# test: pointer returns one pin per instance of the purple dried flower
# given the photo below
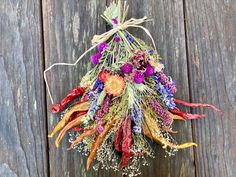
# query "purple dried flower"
(136, 117)
(106, 104)
(127, 68)
(166, 93)
(137, 129)
(95, 58)
(172, 87)
(138, 77)
(130, 38)
(97, 83)
(100, 127)
(90, 94)
(163, 78)
(161, 112)
(167, 81)
(114, 21)
(149, 71)
(102, 46)
(99, 114)
(117, 39)
(150, 51)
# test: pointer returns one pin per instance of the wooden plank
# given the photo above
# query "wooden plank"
(68, 29)
(211, 39)
(168, 32)
(23, 140)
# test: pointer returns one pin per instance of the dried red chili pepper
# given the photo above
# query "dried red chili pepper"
(118, 137)
(186, 115)
(194, 105)
(85, 98)
(126, 143)
(84, 106)
(76, 92)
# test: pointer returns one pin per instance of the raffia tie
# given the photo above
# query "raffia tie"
(97, 39)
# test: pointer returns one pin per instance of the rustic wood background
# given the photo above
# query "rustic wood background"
(196, 37)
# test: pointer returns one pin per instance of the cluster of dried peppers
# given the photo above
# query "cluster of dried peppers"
(125, 98)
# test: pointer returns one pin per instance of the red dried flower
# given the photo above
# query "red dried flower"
(103, 75)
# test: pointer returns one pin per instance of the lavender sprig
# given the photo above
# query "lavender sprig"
(136, 117)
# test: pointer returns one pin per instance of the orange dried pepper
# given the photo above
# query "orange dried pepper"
(98, 143)
(82, 136)
(174, 116)
(83, 106)
(76, 114)
(151, 130)
(70, 125)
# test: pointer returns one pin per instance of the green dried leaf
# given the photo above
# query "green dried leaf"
(101, 97)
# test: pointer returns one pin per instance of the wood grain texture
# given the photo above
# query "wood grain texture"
(196, 38)
(68, 29)
(23, 147)
(211, 39)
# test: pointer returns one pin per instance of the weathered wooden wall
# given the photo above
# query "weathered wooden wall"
(197, 38)
(23, 142)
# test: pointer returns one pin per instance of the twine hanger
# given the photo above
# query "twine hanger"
(97, 39)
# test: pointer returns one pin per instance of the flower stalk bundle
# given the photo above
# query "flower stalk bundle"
(124, 100)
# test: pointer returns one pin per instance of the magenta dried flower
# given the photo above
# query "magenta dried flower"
(149, 71)
(106, 104)
(114, 21)
(117, 39)
(95, 58)
(138, 77)
(102, 46)
(127, 68)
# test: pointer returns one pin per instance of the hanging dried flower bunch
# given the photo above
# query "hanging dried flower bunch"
(125, 100)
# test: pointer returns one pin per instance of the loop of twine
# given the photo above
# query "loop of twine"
(97, 39)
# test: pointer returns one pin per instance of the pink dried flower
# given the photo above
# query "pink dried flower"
(95, 58)
(172, 87)
(100, 127)
(129, 78)
(138, 77)
(139, 58)
(163, 78)
(161, 112)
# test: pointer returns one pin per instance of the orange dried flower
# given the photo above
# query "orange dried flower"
(114, 85)
(103, 75)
